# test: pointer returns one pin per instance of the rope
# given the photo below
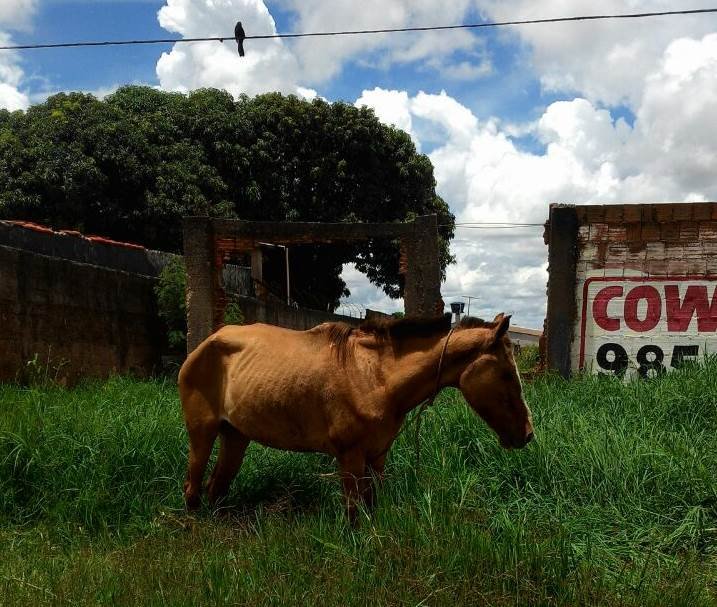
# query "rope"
(429, 401)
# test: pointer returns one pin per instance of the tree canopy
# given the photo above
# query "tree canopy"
(131, 165)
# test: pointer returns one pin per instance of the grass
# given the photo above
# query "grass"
(615, 503)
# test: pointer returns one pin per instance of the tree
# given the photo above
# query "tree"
(130, 166)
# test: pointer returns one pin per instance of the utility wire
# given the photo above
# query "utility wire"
(505, 227)
(480, 224)
(362, 32)
(492, 226)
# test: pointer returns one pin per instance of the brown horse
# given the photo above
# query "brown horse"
(340, 390)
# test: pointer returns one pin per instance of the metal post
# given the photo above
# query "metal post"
(288, 298)
(469, 298)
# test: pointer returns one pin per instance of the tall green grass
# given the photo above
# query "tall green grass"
(615, 503)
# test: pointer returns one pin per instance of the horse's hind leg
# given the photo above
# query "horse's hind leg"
(232, 447)
(201, 441)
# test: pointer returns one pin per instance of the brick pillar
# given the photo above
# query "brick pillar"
(198, 250)
(422, 289)
(562, 238)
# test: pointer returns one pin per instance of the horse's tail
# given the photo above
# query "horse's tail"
(201, 391)
(201, 382)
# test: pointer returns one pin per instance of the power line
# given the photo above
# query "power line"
(506, 227)
(492, 226)
(480, 224)
(391, 30)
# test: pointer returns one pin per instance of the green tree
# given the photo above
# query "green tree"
(130, 166)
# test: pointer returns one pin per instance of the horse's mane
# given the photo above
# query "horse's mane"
(407, 327)
(471, 322)
(395, 329)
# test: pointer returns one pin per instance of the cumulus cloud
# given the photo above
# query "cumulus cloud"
(14, 14)
(267, 66)
(323, 58)
(391, 107)
(11, 76)
(600, 60)
(274, 65)
(668, 154)
(17, 14)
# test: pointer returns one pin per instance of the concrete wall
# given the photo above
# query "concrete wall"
(106, 253)
(635, 286)
(275, 313)
(85, 307)
(524, 337)
(78, 319)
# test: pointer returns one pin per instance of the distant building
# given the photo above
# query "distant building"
(524, 337)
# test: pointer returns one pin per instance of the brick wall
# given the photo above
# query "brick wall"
(643, 282)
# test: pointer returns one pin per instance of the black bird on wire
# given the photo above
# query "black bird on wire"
(239, 35)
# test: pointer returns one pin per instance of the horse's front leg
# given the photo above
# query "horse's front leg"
(353, 479)
(374, 473)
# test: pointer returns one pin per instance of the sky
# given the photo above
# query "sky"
(513, 119)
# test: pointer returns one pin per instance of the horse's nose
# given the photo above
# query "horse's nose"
(529, 437)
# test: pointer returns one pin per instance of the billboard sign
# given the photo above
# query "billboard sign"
(646, 325)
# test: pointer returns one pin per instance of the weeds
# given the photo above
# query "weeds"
(615, 503)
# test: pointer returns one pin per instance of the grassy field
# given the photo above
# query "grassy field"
(615, 503)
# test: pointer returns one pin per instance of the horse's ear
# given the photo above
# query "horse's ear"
(502, 326)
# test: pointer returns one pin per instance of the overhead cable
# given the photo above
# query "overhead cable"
(389, 30)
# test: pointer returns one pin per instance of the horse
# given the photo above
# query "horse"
(340, 390)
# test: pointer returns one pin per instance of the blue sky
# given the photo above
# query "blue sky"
(512, 119)
(511, 92)
(95, 69)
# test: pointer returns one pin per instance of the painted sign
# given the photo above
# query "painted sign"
(646, 325)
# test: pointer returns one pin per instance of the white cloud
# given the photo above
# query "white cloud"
(669, 155)
(391, 107)
(466, 70)
(323, 58)
(11, 98)
(274, 65)
(267, 66)
(17, 14)
(600, 60)
(676, 132)
(364, 295)
(14, 15)
(11, 77)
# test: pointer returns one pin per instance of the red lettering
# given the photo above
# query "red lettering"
(654, 308)
(680, 313)
(600, 303)
(707, 315)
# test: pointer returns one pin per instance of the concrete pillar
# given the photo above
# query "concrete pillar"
(198, 248)
(562, 238)
(422, 287)
(257, 274)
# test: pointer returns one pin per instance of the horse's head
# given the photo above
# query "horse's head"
(491, 385)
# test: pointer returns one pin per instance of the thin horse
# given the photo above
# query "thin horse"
(340, 390)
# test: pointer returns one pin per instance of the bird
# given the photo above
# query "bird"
(240, 36)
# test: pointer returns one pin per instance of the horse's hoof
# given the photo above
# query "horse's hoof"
(192, 502)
